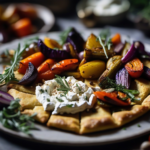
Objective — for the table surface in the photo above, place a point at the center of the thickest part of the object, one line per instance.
(8, 142)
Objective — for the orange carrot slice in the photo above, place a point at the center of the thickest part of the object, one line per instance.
(134, 68)
(46, 65)
(36, 59)
(110, 98)
(22, 27)
(116, 39)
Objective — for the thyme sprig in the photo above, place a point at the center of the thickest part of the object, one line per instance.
(109, 83)
(12, 118)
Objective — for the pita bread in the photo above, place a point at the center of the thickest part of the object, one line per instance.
(42, 115)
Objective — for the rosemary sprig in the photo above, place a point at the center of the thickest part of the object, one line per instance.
(8, 75)
(63, 84)
(78, 87)
(109, 83)
(12, 118)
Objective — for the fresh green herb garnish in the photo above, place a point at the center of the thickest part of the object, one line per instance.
(69, 105)
(8, 75)
(63, 36)
(104, 34)
(78, 87)
(124, 99)
(60, 100)
(124, 128)
(63, 86)
(48, 100)
(86, 98)
(42, 91)
(103, 46)
(109, 83)
(12, 118)
(139, 125)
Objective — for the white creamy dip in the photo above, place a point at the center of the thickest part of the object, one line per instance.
(78, 98)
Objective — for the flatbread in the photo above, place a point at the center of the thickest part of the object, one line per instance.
(100, 119)
(22, 88)
(27, 101)
(42, 115)
(68, 122)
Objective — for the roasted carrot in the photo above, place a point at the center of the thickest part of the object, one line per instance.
(134, 68)
(116, 39)
(65, 65)
(22, 27)
(110, 98)
(36, 59)
(51, 43)
(46, 65)
(48, 75)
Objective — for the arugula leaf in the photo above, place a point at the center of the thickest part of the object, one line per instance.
(69, 105)
(12, 118)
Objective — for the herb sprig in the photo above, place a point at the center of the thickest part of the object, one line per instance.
(63, 36)
(12, 118)
(8, 75)
(63, 84)
(109, 83)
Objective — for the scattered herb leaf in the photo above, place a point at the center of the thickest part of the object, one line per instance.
(78, 87)
(69, 105)
(139, 125)
(42, 91)
(48, 100)
(60, 100)
(12, 118)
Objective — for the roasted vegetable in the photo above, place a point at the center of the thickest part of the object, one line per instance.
(68, 47)
(5, 98)
(30, 75)
(131, 53)
(118, 48)
(134, 68)
(46, 65)
(51, 43)
(111, 98)
(92, 69)
(22, 27)
(140, 47)
(103, 104)
(113, 65)
(51, 53)
(116, 39)
(146, 73)
(48, 75)
(92, 43)
(76, 40)
(97, 53)
(123, 78)
(81, 55)
(74, 74)
(65, 65)
(126, 47)
(36, 59)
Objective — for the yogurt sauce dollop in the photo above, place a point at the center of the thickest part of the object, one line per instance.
(79, 98)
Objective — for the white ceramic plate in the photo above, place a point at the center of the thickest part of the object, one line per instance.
(55, 136)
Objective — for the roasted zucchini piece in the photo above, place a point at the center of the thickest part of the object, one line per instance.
(113, 65)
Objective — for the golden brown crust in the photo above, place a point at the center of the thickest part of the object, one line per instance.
(27, 101)
(96, 121)
(18, 76)
(22, 88)
(69, 122)
(124, 117)
(146, 101)
(42, 115)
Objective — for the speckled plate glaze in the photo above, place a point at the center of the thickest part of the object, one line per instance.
(59, 137)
